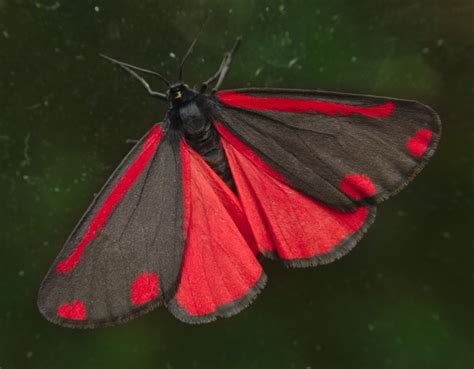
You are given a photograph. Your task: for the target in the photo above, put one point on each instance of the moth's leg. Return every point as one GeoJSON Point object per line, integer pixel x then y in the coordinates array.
{"type": "Point", "coordinates": [131, 141]}
{"type": "Point", "coordinates": [224, 67]}
{"type": "Point", "coordinates": [215, 76]}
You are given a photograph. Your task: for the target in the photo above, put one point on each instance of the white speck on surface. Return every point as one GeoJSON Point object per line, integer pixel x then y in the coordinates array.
{"type": "Point", "coordinates": [96, 9]}
{"type": "Point", "coordinates": [258, 71]}
{"type": "Point", "coordinates": [425, 50]}
{"type": "Point", "coordinates": [26, 148]}
{"type": "Point", "coordinates": [292, 62]}
{"type": "Point", "coordinates": [286, 39]}
{"type": "Point", "coordinates": [354, 59]}
{"type": "Point", "coordinates": [6, 34]}
{"type": "Point", "coordinates": [21, 273]}
{"type": "Point", "coordinates": [440, 42]}
{"type": "Point", "coordinates": [29, 354]}
{"type": "Point", "coordinates": [371, 326]}
{"type": "Point", "coordinates": [53, 7]}
{"type": "Point", "coordinates": [172, 55]}
{"type": "Point", "coordinates": [446, 235]}
{"type": "Point", "coordinates": [231, 11]}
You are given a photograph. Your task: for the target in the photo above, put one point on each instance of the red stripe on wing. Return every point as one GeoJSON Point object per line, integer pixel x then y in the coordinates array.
{"type": "Point", "coordinates": [117, 193]}
{"type": "Point", "coordinates": [219, 267]}
{"type": "Point", "coordinates": [285, 104]}
{"type": "Point", "coordinates": [284, 221]}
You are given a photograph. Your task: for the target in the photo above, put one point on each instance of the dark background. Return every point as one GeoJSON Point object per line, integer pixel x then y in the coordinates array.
{"type": "Point", "coordinates": [402, 299]}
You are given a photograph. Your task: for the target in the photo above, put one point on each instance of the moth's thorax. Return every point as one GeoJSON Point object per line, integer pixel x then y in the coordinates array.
{"type": "Point", "coordinates": [197, 126]}
{"type": "Point", "coordinates": [193, 119]}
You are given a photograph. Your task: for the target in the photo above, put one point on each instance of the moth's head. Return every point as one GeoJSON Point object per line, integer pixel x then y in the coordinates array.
{"type": "Point", "coordinates": [179, 93]}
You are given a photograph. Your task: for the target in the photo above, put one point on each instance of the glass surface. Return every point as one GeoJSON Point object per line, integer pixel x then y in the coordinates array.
{"type": "Point", "coordinates": [403, 298]}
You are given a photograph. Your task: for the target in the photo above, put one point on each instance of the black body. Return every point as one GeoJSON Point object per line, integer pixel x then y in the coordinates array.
{"type": "Point", "coordinates": [191, 115]}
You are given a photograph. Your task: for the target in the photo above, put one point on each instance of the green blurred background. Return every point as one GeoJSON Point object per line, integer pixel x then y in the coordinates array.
{"type": "Point", "coordinates": [403, 298]}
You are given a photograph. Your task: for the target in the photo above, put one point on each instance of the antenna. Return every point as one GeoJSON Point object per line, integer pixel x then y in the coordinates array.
{"type": "Point", "coordinates": [180, 73]}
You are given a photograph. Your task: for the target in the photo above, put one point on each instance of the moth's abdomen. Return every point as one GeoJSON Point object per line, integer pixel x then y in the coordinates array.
{"type": "Point", "coordinates": [202, 137]}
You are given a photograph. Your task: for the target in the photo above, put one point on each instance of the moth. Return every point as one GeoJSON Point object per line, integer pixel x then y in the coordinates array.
{"type": "Point", "coordinates": [229, 177]}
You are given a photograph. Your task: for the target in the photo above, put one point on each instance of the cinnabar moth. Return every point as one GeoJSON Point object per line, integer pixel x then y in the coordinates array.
{"type": "Point", "coordinates": [293, 175]}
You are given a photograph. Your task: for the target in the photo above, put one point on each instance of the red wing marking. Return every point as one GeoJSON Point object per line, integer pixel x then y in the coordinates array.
{"type": "Point", "coordinates": [357, 186]}
{"type": "Point", "coordinates": [75, 310]}
{"type": "Point", "coordinates": [144, 288]}
{"type": "Point", "coordinates": [419, 142]}
{"type": "Point", "coordinates": [219, 266]}
{"type": "Point", "coordinates": [283, 220]}
{"type": "Point", "coordinates": [285, 104]}
{"type": "Point", "coordinates": [117, 193]}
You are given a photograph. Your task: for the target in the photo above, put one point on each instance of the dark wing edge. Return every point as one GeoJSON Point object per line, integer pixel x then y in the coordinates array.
{"type": "Point", "coordinates": [334, 108]}
{"type": "Point", "coordinates": [87, 277]}
{"type": "Point", "coordinates": [224, 311]}
{"type": "Point", "coordinates": [337, 252]}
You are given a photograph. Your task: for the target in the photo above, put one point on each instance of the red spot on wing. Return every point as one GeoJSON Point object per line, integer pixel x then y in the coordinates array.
{"type": "Point", "coordinates": [283, 220]}
{"type": "Point", "coordinates": [357, 186]}
{"type": "Point", "coordinates": [144, 288]}
{"type": "Point", "coordinates": [285, 104]}
{"type": "Point", "coordinates": [117, 193]}
{"type": "Point", "coordinates": [75, 310]}
{"type": "Point", "coordinates": [419, 142]}
{"type": "Point", "coordinates": [219, 266]}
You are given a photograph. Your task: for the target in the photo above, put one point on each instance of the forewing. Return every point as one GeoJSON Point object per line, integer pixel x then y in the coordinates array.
{"type": "Point", "coordinates": [342, 150]}
{"type": "Point", "coordinates": [124, 257]}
